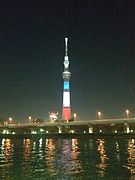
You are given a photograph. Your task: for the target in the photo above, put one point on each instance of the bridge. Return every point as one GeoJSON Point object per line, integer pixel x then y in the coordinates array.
{"type": "Point", "coordinates": [120, 125]}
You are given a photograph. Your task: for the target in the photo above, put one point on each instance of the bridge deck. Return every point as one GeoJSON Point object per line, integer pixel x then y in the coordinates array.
{"type": "Point", "coordinates": [75, 123]}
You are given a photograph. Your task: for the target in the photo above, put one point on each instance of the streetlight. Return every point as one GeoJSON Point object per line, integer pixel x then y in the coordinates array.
{"type": "Point", "coordinates": [99, 115]}
{"type": "Point", "coordinates": [127, 112]}
{"type": "Point", "coordinates": [30, 118]}
{"type": "Point", "coordinates": [10, 120]}
{"type": "Point", "coordinates": [74, 116]}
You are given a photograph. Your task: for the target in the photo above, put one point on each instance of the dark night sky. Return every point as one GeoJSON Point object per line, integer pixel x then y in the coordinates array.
{"type": "Point", "coordinates": [101, 51]}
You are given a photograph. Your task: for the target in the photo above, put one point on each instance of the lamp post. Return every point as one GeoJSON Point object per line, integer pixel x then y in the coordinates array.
{"type": "Point", "coordinates": [30, 118]}
{"type": "Point", "coordinates": [74, 116]}
{"type": "Point", "coordinates": [99, 115]}
{"type": "Point", "coordinates": [10, 120]}
{"type": "Point", "coordinates": [127, 112]}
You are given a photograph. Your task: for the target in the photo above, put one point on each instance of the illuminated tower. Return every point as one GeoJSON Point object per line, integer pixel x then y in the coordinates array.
{"type": "Point", "coordinates": [66, 110]}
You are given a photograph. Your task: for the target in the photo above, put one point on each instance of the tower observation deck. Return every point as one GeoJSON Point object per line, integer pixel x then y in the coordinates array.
{"type": "Point", "coordinates": [66, 109]}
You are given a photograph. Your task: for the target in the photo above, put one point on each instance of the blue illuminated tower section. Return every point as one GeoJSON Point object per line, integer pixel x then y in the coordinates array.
{"type": "Point", "coordinates": [66, 110]}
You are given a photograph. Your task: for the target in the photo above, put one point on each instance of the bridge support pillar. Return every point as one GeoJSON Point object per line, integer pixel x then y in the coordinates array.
{"type": "Point", "coordinates": [126, 128]}
{"type": "Point", "coordinates": [59, 129]}
{"type": "Point", "coordinates": [90, 129]}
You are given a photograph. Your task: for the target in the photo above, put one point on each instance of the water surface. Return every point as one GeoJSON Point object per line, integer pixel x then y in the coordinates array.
{"type": "Point", "coordinates": [80, 158]}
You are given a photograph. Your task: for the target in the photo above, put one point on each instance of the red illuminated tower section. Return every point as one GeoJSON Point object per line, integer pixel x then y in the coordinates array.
{"type": "Point", "coordinates": [66, 111]}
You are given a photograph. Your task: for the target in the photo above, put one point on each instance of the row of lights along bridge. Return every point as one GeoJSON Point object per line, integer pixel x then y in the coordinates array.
{"type": "Point", "coordinates": [10, 120]}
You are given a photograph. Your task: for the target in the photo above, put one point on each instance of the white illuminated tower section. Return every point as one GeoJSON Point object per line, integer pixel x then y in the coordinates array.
{"type": "Point", "coordinates": [66, 111]}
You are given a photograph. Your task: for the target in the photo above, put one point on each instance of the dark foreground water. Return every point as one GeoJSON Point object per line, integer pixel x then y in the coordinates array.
{"type": "Point", "coordinates": [80, 158]}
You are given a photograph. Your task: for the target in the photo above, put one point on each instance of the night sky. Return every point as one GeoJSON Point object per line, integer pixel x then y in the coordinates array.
{"type": "Point", "coordinates": [101, 52]}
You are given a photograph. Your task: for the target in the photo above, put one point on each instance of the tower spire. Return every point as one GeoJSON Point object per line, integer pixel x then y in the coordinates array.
{"type": "Point", "coordinates": [66, 61]}
{"type": "Point", "coordinates": [66, 46]}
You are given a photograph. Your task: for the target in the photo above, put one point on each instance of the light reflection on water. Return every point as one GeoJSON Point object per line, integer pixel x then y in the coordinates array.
{"type": "Point", "coordinates": [102, 165]}
{"type": "Point", "coordinates": [26, 156]}
{"type": "Point", "coordinates": [6, 157]}
{"type": "Point", "coordinates": [50, 157]}
{"type": "Point", "coordinates": [131, 157]}
{"type": "Point", "coordinates": [67, 158]}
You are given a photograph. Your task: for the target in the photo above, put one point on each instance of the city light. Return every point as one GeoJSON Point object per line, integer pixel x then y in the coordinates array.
{"type": "Point", "coordinates": [41, 130]}
{"type": "Point", "coordinates": [33, 132]}
{"type": "Point", "coordinates": [10, 120]}
{"type": "Point", "coordinates": [75, 116]}
{"type": "Point", "coordinates": [127, 113]}
{"type": "Point", "coordinates": [30, 118]}
{"type": "Point", "coordinates": [99, 115]}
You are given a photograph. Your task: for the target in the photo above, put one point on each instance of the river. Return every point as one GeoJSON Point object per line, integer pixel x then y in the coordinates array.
{"type": "Point", "coordinates": [67, 159]}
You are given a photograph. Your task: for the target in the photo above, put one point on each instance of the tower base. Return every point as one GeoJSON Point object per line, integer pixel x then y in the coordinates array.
{"type": "Point", "coordinates": [66, 113]}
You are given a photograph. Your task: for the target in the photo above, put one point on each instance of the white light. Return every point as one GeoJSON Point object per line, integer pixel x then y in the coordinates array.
{"type": "Point", "coordinates": [99, 115]}
{"type": "Point", "coordinates": [7, 132]}
{"type": "Point", "coordinates": [3, 141]}
{"type": "Point", "coordinates": [41, 130]}
{"type": "Point", "coordinates": [66, 99]}
{"type": "Point", "coordinates": [33, 132]}
{"type": "Point", "coordinates": [30, 118]}
{"type": "Point", "coordinates": [127, 112]}
{"type": "Point", "coordinates": [34, 145]}
{"type": "Point", "coordinates": [66, 62]}
{"type": "Point", "coordinates": [4, 131]}
{"type": "Point", "coordinates": [40, 142]}
{"type": "Point", "coordinates": [10, 119]}
{"type": "Point", "coordinates": [66, 39]}
{"type": "Point", "coordinates": [75, 116]}
{"type": "Point", "coordinates": [66, 59]}
{"type": "Point", "coordinates": [72, 131]}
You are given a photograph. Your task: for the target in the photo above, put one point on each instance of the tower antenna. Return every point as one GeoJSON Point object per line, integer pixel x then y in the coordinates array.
{"type": "Point", "coordinates": [66, 46]}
